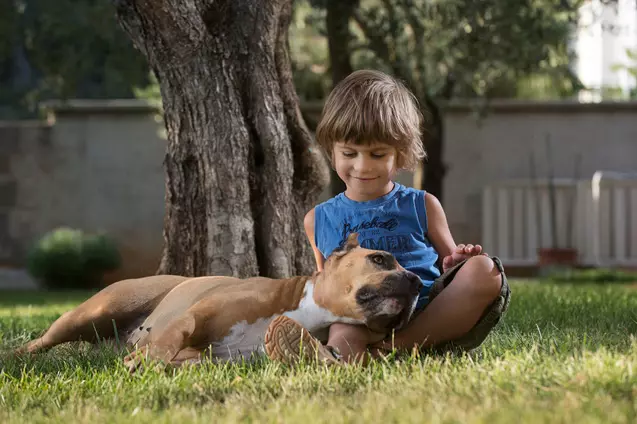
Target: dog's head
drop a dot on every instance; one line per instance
(367, 286)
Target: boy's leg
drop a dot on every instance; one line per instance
(351, 341)
(467, 301)
(487, 322)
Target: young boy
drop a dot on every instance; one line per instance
(370, 128)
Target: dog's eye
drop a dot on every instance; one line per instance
(383, 261)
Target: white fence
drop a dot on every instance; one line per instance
(598, 217)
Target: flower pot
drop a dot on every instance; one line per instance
(557, 256)
(557, 259)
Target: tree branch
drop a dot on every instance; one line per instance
(376, 41)
(420, 80)
(446, 91)
(393, 25)
(381, 48)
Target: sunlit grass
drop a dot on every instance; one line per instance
(564, 353)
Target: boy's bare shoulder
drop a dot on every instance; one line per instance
(432, 202)
(308, 221)
(435, 212)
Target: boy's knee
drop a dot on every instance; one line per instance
(486, 275)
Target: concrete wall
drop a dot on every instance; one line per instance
(21, 168)
(97, 166)
(497, 147)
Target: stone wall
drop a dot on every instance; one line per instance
(497, 147)
(97, 166)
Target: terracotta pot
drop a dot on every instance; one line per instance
(557, 256)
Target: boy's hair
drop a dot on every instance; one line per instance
(370, 106)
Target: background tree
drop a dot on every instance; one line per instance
(63, 49)
(458, 48)
(338, 14)
(241, 166)
(309, 53)
(631, 71)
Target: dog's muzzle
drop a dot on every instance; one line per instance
(390, 305)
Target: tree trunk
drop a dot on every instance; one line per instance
(338, 39)
(434, 167)
(337, 19)
(241, 166)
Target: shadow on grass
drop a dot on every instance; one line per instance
(9, 298)
(61, 359)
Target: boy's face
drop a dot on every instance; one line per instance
(367, 170)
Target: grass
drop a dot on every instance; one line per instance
(565, 353)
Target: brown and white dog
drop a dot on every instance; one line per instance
(178, 319)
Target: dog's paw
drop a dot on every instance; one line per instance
(135, 360)
(143, 358)
(28, 349)
(20, 352)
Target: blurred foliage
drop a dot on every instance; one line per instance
(63, 49)
(631, 70)
(493, 48)
(152, 94)
(593, 275)
(308, 50)
(69, 259)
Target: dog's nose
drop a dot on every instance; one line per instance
(414, 282)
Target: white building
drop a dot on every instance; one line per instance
(605, 33)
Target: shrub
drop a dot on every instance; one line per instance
(69, 259)
(593, 275)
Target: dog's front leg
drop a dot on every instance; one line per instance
(165, 346)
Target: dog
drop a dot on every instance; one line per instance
(176, 319)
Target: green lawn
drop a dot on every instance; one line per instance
(564, 354)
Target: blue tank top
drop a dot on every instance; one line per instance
(395, 222)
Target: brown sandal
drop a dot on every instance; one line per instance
(288, 342)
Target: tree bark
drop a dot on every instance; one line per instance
(434, 168)
(241, 166)
(337, 19)
(338, 41)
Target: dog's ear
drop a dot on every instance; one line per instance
(350, 243)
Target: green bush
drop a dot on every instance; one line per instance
(593, 275)
(69, 259)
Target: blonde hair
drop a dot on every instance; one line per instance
(370, 106)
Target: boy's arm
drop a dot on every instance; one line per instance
(438, 228)
(441, 238)
(308, 223)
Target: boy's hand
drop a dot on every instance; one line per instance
(461, 253)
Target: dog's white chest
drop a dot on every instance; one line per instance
(244, 341)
